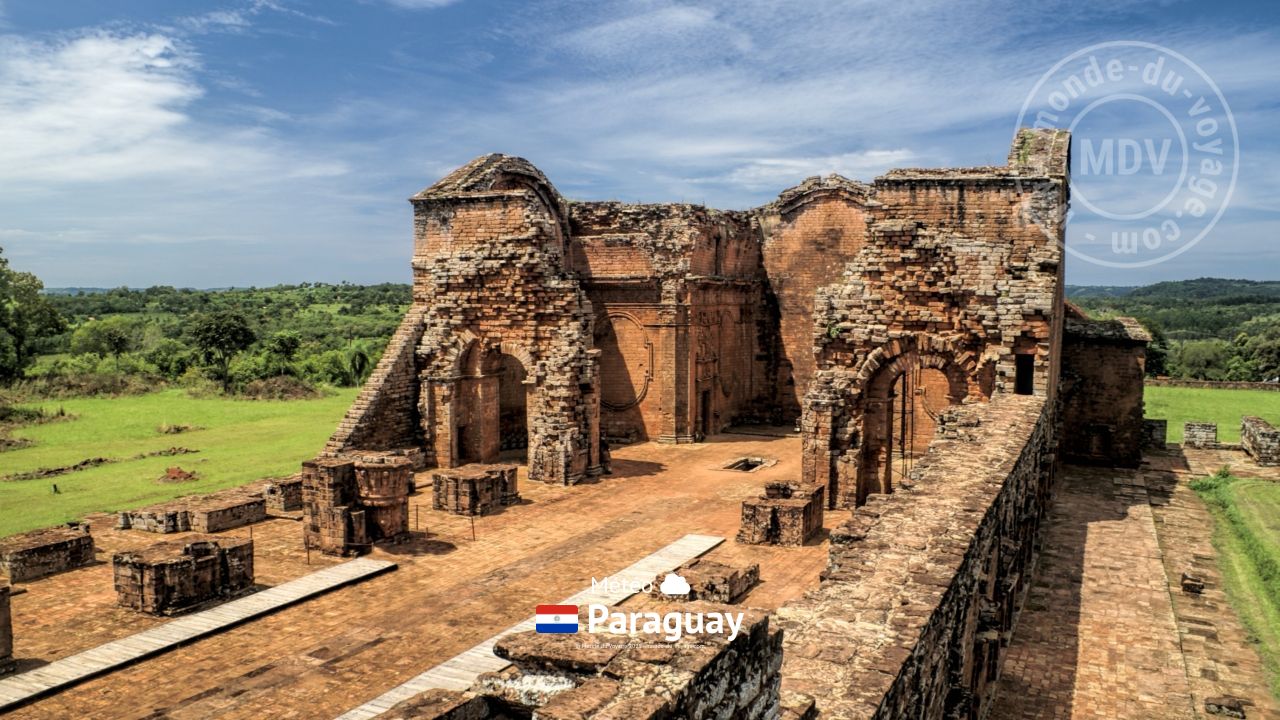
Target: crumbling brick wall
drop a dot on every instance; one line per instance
(32, 555)
(490, 264)
(385, 413)
(1103, 365)
(1200, 434)
(1260, 439)
(808, 234)
(173, 576)
(922, 587)
(959, 277)
(677, 291)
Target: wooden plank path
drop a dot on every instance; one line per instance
(68, 671)
(460, 671)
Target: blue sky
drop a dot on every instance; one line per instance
(252, 143)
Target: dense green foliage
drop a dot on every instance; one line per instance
(26, 317)
(1179, 405)
(125, 339)
(1206, 329)
(235, 441)
(1247, 538)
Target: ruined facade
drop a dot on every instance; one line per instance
(540, 325)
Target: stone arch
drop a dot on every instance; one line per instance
(520, 353)
(896, 425)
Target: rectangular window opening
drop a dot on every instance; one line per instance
(1024, 382)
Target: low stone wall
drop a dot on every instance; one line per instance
(284, 494)
(787, 514)
(173, 576)
(474, 489)
(38, 553)
(205, 514)
(564, 677)
(1200, 435)
(1218, 384)
(7, 663)
(1155, 433)
(920, 594)
(1260, 440)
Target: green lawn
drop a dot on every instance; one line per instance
(1225, 407)
(1247, 537)
(241, 441)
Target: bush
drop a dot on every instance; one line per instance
(281, 388)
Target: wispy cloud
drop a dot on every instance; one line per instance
(421, 4)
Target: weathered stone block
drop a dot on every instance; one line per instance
(474, 489)
(6, 632)
(284, 494)
(712, 581)
(787, 514)
(1260, 440)
(1155, 433)
(173, 576)
(33, 555)
(1200, 435)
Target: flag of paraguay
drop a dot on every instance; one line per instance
(557, 619)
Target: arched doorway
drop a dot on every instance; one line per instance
(513, 409)
(900, 417)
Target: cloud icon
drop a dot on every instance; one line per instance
(673, 584)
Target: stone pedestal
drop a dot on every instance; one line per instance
(711, 581)
(474, 489)
(787, 514)
(170, 577)
(352, 501)
(1260, 440)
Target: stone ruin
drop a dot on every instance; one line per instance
(283, 494)
(787, 514)
(7, 663)
(474, 489)
(225, 510)
(557, 677)
(33, 555)
(711, 581)
(540, 325)
(1103, 425)
(178, 575)
(1260, 440)
(1200, 435)
(353, 501)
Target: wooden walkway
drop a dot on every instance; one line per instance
(459, 672)
(68, 671)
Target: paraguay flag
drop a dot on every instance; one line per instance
(557, 619)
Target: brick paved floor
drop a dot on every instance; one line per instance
(1106, 631)
(324, 656)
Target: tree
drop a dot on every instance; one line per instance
(25, 317)
(284, 346)
(112, 336)
(219, 337)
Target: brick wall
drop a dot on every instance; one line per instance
(1260, 440)
(960, 274)
(809, 235)
(385, 414)
(32, 555)
(1103, 364)
(923, 585)
(1200, 435)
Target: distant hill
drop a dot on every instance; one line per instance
(1200, 309)
(1078, 292)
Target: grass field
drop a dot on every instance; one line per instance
(1225, 407)
(239, 441)
(1247, 537)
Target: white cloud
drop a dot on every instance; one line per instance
(778, 173)
(103, 107)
